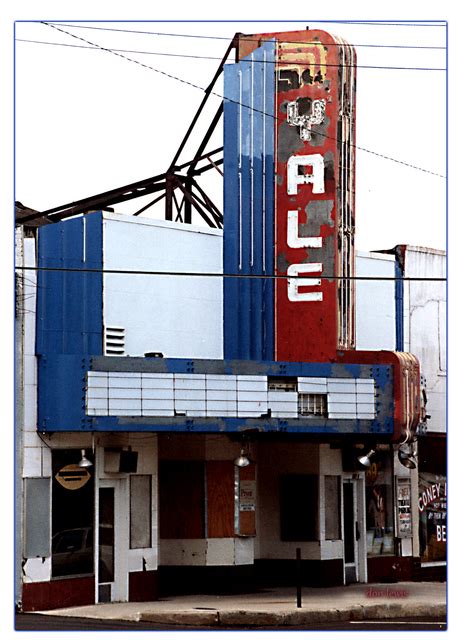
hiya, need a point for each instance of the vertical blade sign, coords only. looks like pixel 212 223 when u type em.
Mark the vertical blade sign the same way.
pixel 314 208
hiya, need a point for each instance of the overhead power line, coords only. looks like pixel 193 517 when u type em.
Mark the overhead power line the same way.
pixel 227 275
pixel 195 86
pixel 244 38
pixel 197 57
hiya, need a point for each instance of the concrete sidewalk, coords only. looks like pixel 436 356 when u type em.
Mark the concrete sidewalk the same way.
pixel 277 607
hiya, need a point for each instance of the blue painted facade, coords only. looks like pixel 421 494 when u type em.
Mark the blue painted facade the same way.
pixel 249 202
pixel 69 315
pixel 69 303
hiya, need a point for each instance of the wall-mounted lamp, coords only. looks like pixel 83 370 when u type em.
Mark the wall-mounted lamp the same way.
pixel 365 460
pixel 242 460
pixel 85 462
pixel 406 458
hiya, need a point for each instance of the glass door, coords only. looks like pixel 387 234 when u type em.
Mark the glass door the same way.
pixel 351 530
pixel 112 544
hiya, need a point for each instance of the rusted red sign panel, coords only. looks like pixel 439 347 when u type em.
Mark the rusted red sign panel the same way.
pixel 314 190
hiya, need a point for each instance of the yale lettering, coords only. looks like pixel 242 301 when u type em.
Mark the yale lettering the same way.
pixel 317 180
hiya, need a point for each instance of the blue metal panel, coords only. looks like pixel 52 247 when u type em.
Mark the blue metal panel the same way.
pixel 61 398
pixel 249 205
pixel 69 303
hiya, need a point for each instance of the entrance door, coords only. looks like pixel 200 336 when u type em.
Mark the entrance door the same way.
pixel 354 531
pixel 112 542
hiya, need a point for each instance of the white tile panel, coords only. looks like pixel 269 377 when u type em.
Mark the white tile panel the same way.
pixel 341 386
pixel 124 383
pixel 157 394
pixel 312 385
pixel 118 392
pixel 250 383
pixel 342 407
pixel 97 403
pixel 282 396
pixel 190 394
pixel 341 397
pixel 97 383
pixel 221 405
pixel 158 404
pixel 190 382
pixel 221 394
pixel 221 385
pixel 46 461
pixel 190 405
pixel 97 392
pixel 125 404
pixel 365 405
pixel 157 383
pixel 32 462
pixel 99 412
pixel 97 374
pixel 244 396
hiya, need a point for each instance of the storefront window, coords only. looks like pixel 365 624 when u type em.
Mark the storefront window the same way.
pixel 72 519
pixel 432 505
pixel 432 499
pixel 379 501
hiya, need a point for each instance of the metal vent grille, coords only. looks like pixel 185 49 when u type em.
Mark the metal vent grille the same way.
pixel 313 404
pixel 114 341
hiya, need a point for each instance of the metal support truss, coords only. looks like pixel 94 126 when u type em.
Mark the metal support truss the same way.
pixel 178 180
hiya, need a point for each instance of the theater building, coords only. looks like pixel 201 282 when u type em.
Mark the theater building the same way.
pixel 194 404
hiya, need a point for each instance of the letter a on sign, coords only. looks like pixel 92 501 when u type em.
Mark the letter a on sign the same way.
pixel 316 178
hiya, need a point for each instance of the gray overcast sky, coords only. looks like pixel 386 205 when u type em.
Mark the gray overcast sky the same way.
pixel 88 120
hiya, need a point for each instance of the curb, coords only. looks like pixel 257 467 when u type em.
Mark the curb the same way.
pixel 246 618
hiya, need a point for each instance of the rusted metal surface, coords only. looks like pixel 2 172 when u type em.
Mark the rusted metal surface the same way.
pixel 314 208
pixel 406 387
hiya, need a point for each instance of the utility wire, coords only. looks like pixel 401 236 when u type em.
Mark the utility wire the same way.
pixel 195 86
pixel 243 38
pixel 196 57
pixel 226 275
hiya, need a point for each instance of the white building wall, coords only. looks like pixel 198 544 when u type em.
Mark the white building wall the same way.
pixel 179 316
pixel 425 326
pixel 375 302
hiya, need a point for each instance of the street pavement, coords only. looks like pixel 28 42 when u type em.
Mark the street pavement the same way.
pixel 276 608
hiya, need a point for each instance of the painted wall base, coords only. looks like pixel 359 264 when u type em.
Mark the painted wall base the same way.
pixel 314 573
pixel 208 580
pixel 390 569
pixel 143 586
pixel 56 594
